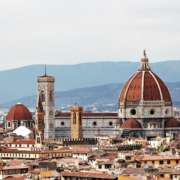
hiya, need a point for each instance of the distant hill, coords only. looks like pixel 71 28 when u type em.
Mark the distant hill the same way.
pixel 21 82
pixel 100 98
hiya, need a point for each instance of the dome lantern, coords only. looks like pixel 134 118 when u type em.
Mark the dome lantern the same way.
pixel 145 62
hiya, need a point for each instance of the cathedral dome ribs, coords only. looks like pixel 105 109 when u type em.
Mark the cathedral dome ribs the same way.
pixel 144 89
pixel 144 85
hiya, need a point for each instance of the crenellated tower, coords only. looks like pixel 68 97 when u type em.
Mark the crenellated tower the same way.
pixel 45 103
pixel 76 122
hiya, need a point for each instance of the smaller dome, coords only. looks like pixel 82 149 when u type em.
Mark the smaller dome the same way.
pixel 131 123
pixel 172 123
pixel 19 112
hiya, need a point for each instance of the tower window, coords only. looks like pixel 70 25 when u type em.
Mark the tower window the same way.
pixel 74 121
pixel 133 111
pixel 51 96
pixel 50 113
pixel 167 111
pixel 9 124
pixel 80 120
pixel 74 118
pixel 62 123
pixel 42 96
pixel 94 123
pixel 161 162
pixel 152 111
pixel 110 123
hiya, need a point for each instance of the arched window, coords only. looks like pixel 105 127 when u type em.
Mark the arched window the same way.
pixel 42 96
pixel 110 123
pixel 94 123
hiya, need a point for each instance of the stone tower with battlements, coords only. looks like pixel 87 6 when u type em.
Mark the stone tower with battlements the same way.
pixel 45 93
pixel 76 122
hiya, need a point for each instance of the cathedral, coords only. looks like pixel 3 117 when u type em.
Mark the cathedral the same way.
pixel 145 110
pixel 145 105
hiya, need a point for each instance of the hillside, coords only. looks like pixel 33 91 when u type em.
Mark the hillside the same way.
pixel 100 98
pixel 21 82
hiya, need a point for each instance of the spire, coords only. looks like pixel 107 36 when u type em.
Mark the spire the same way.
pixel 144 52
pixel 145 62
pixel 45 73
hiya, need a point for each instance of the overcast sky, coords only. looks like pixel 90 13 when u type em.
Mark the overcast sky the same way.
pixel 74 31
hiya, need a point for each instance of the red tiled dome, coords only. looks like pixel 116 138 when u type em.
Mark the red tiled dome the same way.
pixel 131 123
pixel 19 112
pixel 170 123
pixel 145 85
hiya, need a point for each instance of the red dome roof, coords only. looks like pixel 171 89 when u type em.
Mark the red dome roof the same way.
pixel 131 123
pixel 19 112
pixel 145 85
pixel 170 123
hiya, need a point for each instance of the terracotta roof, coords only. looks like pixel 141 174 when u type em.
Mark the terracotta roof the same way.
pixel 111 156
pixel 79 150
pixel 172 171
pixel 98 175
pixel 34 151
pixel 15 178
pixel 133 171
pixel 19 112
pixel 170 123
pixel 144 85
pixel 18 141
pixel 106 156
pixel 164 89
pixel 131 123
pixel 22 166
pixel 156 157
pixel 23 141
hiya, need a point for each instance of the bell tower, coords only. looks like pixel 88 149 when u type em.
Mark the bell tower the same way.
pixel 76 122
pixel 45 93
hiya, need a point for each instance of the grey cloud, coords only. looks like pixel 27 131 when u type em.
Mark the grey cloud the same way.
pixel 73 31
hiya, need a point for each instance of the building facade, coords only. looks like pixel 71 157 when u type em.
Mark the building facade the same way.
pixel 93 124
